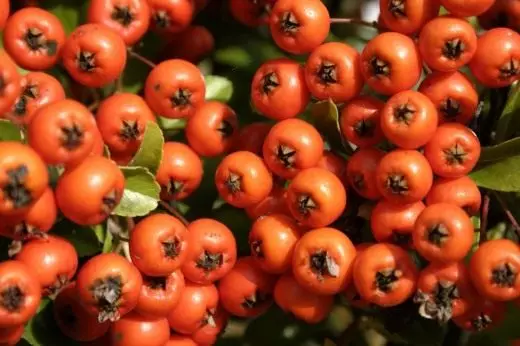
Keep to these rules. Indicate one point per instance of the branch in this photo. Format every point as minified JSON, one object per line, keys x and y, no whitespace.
{"x":508,"y":213}
{"x":484,"y":218}
{"x":355,"y":21}
{"x":172,"y":210}
{"x":141,"y":58}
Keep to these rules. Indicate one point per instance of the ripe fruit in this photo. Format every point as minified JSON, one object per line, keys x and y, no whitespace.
{"x":246,"y":291}
{"x":94,"y":55}
{"x":278,"y":89}
{"x":37,"y":90}
{"x":351,"y":294}
{"x":275,"y":203}
{"x":305,"y":305}
{"x":174,"y":89}
{"x":72,"y":318}
{"x":453,"y":151}
{"x":122,"y":119}
{"x":447,"y":43}
{"x":211,"y":251}
{"x":496,"y":62}
{"x":361,"y":172}
{"x":136,"y":330}
{"x":4,"y":12}
{"x":129,"y":18}
{"x":409,"y":119}
{"x":180,"y":340}
{"x":250,"y":13}
{"x":322,"y":261}
{"x":88,"y":193}
{"x":12,"y":335}
{"x":291,"y":146}
{"x":108,"y":286}
{"x":160,"y":295}
{"x":272,"y":240}
{"x":443,"y":233}
{"x":20,"y":293}
{"x":385,"y":275}
{"x":333,"y":163}
{"x":333,"y":71}
{"x":407,"y":17}
{"x":192,"y":44}
{"x":316,"y":197}
{"x":242,"y":179}
{"x":171,"y":16}
{"x":404,"y":176}
{"x":484,"y":314}
{"x":360,"y":121}
{"x":9,"y":82}
{"x":53,"y":258}
{"x":454,"y":96}
{"x":462,"y":192}
{"x":251,"y":137}
{"x":23,"y":177}
{"x":467,"y":8}
{"x":212,"y":130}
{"x":63,"y":132}
{"x":391,"y":63}
{"x":158,"y":245}
{"x":299,"y":26}
{"x":494,"y":270}
{"x":34,"y":38}
{"x":208,"y":333}
{"x":394,"y":222}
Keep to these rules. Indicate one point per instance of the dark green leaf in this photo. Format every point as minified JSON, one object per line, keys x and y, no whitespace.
{"x":500,"y":151}
{"x":509,"y":122}
{"x":9,"y":131}
{"x":499,"y":176}
{"x":149,"y":154}
{"x":86,"y":240}
{"x":325,"y":117}
{"x":218,"y":89}
{"x":141,"y":193}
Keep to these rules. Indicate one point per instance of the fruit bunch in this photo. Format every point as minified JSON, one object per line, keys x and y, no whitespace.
{"x":408,"y":112}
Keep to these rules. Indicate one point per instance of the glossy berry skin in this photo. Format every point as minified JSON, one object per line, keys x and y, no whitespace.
{"x":180,"y":340}
{"x":246,"y":291}
{"x":361,"y":172}
{"x":88,"y":193}
{"x":158,"y":245}
{"x":467,"y":8}
{"x":23,"y":177}
{"x":291,"y":146}
{"x":484,"y":314}
{"x":192,"y":44}
{"x":409,"y":119}
{"x":171,"y":16}
{"x":34,"y":38}
{"x":385,"y":275}
{"x":94,"y":55}
{"x":4,"y":12}
{"x":174,"y":89}
{"x":252,"y":136}
{"x":208,"y":333}
{"x":212,"y":130}
{"x":249,"y":13}
{"x":180,"y":172}
{"x":494,"y":270}
{"x":122,"y":119}
{"x":20,"y":293}
{"x":160,"y":295}
{"x":10,"y":78}
{"x":299,"y":26}
{"x":391,"y":63}
{"x":333,"y":71}
{"x":279,"y":90}
{"x":360,"y":121}
{"x":462,"y":192}
{"x":242,"y":179}
{"x":407,"y":17}
{"x":333,"y":163}
{"x":496,"y":62}
{"x":303,"y":304}
{"x":134,"y":329}
{"x":443,"y":233}
{"x":275,"y":203}
{"x":447,"y":43}
{"x":129,"y":18}
{"x":404,"y":176}
{"x":454,"y":96}
{"x":322,"y":261}
{"x":316,"y":197}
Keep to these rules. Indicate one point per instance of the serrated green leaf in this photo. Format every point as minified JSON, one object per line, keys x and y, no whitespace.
{"x":86,"y":240}
{"x":325,"y":117}
{"x":509,"y":122}
{"x":141,"y":193}
{"x":500,"y":151}
{"x":9,"y":131}
{"x":149,"y":154}
{"x":218,"y":89}
{"x":499,"y":176}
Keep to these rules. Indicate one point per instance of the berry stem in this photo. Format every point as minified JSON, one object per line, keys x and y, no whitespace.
{"x":355,"y":21}
{"x":483,"y":218}
{"x":508,"y":213}
{"x":141,"y":58}
{"x":93,"y":106}
{"x":172,"y":210}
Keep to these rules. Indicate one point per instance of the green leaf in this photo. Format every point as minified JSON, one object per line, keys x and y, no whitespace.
{"x":499,"y":176}
{"x":9,"y":131}
{"x":218,"y":89}
{"x":500,"y":151}
{"x":171,"y":124}
{"x":86,"y":240}
{"x":141,"y":193}
{"x":509,"y":122}
{"x":325,"y":117}
{"x":149,"y":154}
